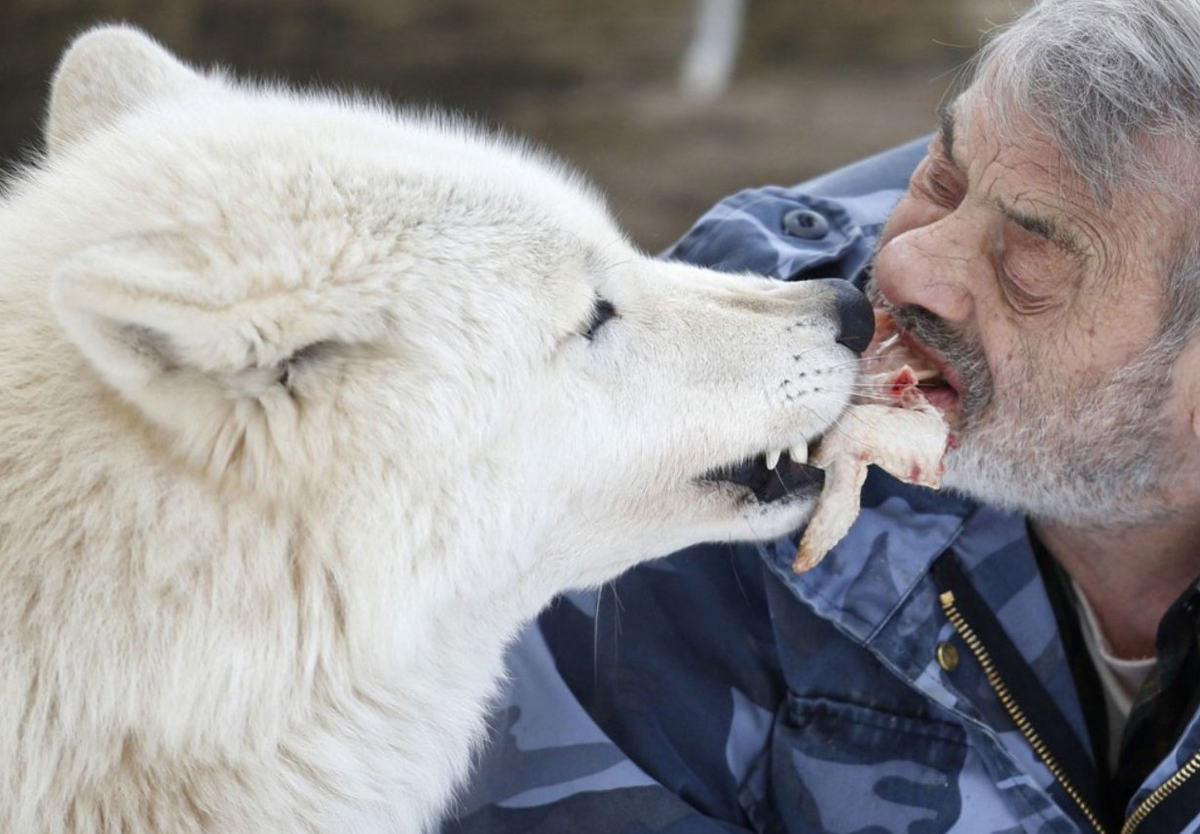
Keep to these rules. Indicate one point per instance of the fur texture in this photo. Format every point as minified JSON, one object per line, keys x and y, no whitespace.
{"x":300,"y":421}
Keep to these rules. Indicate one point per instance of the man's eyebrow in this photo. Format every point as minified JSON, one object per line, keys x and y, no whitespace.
{"x":945,"y":114}
{"x":1044,"y":227}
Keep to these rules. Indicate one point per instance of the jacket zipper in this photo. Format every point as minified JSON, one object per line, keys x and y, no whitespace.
{"x":1014,"y":710}
{"x":1145,"y":807}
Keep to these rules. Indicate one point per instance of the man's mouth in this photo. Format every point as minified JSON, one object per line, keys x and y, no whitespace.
{"x":775,"y":475}
{"x":935,"y":379}
{"x":893,"y":348}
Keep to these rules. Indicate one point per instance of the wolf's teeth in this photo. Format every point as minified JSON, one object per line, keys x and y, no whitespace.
{"x":927,"y":373}
{"x":799,"y":454}
{"x":773,"y":459}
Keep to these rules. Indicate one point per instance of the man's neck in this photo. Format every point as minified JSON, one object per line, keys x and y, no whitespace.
{"x":1130,"y":576}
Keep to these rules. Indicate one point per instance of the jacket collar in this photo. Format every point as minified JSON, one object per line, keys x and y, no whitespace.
{"x":899,"y":533}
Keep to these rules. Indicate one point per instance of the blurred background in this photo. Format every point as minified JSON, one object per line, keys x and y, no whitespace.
{"x":667,"y":104}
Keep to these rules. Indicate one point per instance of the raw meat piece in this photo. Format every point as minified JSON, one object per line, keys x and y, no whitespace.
{"x":907,"y":438}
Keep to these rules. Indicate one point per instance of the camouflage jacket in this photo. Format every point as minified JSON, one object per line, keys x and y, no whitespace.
{"x":913,"y":682}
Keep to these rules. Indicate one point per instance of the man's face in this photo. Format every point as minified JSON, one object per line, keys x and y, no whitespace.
{"x":1039,"y":306}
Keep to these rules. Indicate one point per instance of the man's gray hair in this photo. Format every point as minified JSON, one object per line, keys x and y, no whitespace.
{"x":1104,"y":78}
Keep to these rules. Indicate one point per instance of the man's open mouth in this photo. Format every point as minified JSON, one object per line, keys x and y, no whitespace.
{"x":772,"y":476}
{"x":935,"y":379}
{"x":940,"y":392}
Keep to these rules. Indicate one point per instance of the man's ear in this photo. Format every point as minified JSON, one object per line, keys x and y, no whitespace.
{"x":1187,"y":381}
{"x":107,"y":72}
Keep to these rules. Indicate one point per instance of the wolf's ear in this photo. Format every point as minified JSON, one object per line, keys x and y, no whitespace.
{"x":106,"y":72}
{"x":162,"y":305}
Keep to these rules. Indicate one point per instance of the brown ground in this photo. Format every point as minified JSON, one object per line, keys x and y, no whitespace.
{"x":820,"y":83}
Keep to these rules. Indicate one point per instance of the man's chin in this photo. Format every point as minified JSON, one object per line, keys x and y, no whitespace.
{"x":983,"y":473}
{"x":965,"y":477}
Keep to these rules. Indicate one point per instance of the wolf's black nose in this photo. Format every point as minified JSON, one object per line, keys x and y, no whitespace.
{"x":856,"y":318}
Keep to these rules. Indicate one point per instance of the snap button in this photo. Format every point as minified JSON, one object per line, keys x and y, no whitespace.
{"x":947,"y":656}
{"x":806,"y":224}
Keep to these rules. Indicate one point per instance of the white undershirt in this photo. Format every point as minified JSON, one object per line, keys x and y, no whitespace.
{"x":1119,"y":679}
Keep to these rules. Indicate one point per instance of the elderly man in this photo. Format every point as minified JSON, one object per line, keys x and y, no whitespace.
{"x":1016,"y":652}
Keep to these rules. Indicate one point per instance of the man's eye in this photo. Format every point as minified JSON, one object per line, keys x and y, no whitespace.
{"x":601,"y":312}
{"x":1022,"y":300}
{"x":941,"y":188}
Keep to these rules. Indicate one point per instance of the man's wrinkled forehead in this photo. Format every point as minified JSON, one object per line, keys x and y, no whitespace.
{"x":1040,"y":195}
{"x":1013,"y":164}
{"x":980,"y":125}
{"x":1163,"y":166}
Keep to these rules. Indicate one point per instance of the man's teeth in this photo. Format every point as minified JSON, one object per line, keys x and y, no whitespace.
{"x":888,"y":342}
{"x":798,"y":454}
{"x":926,"y":374}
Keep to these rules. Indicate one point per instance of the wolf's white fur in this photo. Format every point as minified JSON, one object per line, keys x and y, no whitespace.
{"x":297,"y":428}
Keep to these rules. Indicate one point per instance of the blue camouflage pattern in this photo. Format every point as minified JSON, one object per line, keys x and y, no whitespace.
{"x":716,"y":691}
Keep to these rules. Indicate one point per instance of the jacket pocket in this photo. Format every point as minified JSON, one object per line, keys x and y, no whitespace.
{"x":842,"y":767}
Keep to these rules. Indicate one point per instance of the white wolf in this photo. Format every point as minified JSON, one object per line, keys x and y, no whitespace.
{"x":305,"y":407}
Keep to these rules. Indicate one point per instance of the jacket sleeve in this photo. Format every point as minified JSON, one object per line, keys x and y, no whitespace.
{"x":648,"y":706}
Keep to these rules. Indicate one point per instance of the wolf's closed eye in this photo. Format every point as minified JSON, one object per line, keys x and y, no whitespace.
{"x":602,"y":311}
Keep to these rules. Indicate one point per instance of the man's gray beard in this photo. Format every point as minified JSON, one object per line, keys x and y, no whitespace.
{"x":1094,"y":453}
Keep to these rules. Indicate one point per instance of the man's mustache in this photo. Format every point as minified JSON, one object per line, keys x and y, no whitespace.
{"x":966,"y":357}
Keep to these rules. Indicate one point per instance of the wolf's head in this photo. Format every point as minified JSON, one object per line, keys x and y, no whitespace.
{"x":323,"y":303}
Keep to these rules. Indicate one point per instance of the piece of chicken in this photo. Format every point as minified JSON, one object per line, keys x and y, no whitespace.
{"x":906,"y":437}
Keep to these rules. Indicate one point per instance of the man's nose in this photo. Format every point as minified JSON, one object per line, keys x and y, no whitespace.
{"x":856,"y":317}
{"x":928,"y":267}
